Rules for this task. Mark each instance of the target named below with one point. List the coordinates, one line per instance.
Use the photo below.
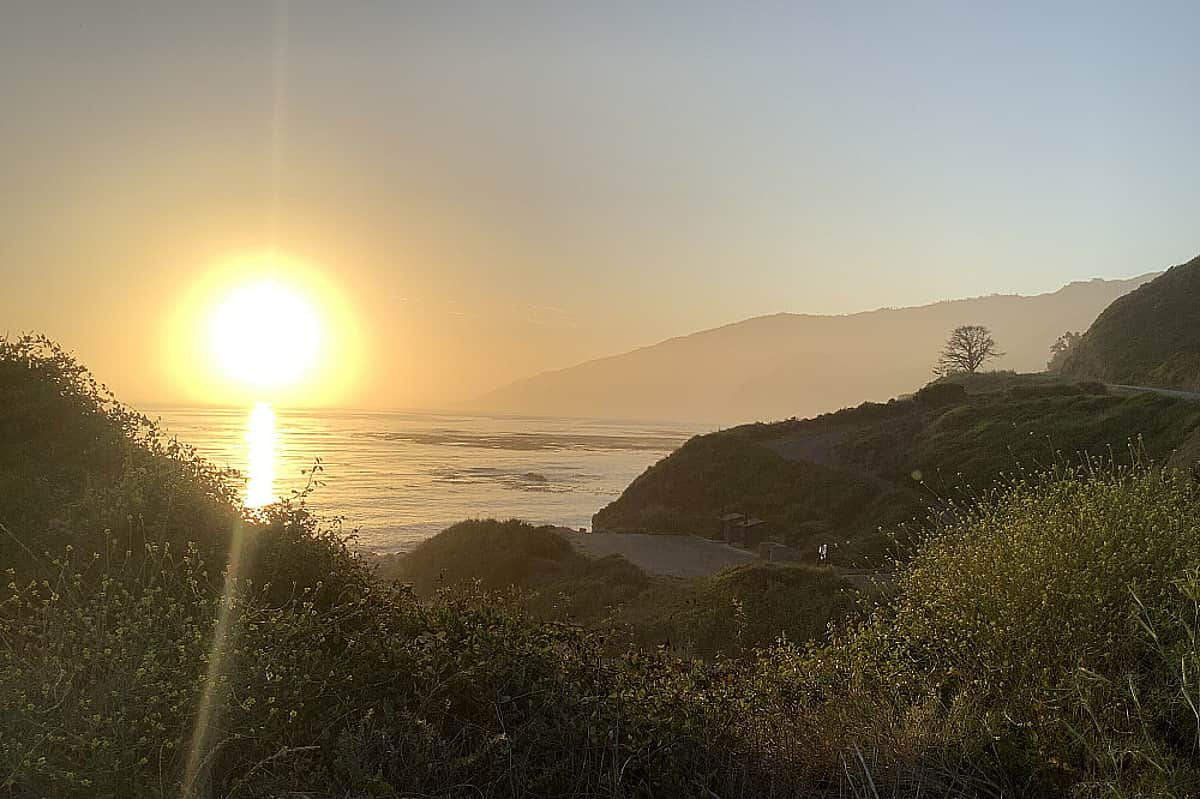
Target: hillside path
(671, 555)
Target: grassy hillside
(1149, 337)
(842, 476)
(729, 613)
(1040, 643)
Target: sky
(489, 190)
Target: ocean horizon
(399, 477)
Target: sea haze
(399, 478)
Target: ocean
(399, 478)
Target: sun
(265, 335)
(266, 327)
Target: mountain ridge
(787, 364)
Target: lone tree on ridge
(967, 349)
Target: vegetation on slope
(494, 554)
(727, 614)
(260, 657)
(1149, 337)
(843, 477)
(737, 610)
(1045, 644)
(75, 464)
(1041, 642)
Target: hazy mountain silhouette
(1149, 337)
(773, 367)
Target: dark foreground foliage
(1042, 644)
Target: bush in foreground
(157, 641)
(123, 676)
(1048, 636)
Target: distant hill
(1149, 337)
(774, 367)
(841, 477)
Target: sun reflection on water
(261, 438)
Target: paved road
(673, 555)
(1191, 396)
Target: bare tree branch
(967, 349)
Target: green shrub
(100, 661)
(123, 675)
(1033, 621)
(938, 394)
(77, 467)
(739, 610)
(496, 554)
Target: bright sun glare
(265, 335)
(261, 440)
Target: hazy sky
(501, 188)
